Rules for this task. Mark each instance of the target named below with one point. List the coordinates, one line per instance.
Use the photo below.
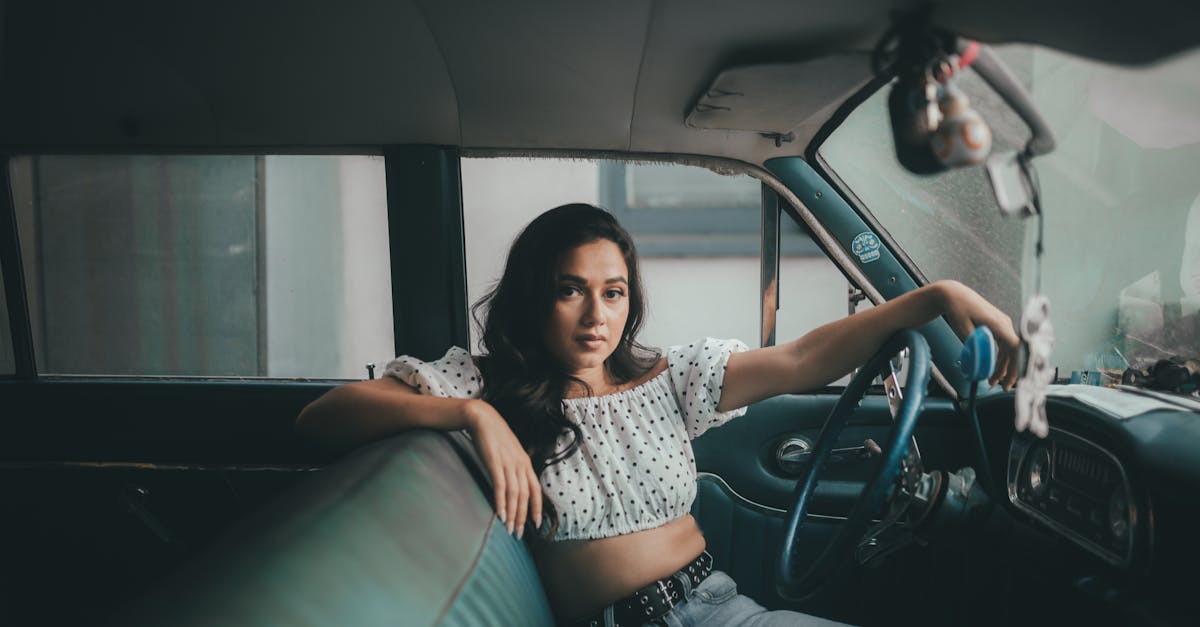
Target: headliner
(614, 76)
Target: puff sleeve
(452, 376)
(697, 374)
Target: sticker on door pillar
(866, 247)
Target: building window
(682, 211)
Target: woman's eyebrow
(571, 278)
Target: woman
(567, 410)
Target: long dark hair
(522, 379)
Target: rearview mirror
(1010, 178)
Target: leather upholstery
(502, 589)
(397, 533)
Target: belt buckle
(666, 594)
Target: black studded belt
(651, 602)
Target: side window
(8, 364)
(697, 233)
(812, 292)
(208, 265)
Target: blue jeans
(716, 602)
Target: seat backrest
(396, 533)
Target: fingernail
(500, 515)
(537, 522)
(510, 527)
(520, 532)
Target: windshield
(1120, 196)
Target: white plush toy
(1038, 334)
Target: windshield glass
(1120, 196)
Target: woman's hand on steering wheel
(518, 492)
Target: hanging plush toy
(1038, 334)
(962, 138)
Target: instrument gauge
(1039, 470)
(1118, 512)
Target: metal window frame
(427, 248)
(25, 364)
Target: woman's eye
(567, 290)
(614, 294)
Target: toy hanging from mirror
(935, 129)
(934, 126)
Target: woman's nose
(593, 311)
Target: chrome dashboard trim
(1018, 452)
(758, 507)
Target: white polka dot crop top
(634, 469)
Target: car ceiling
(619, 75)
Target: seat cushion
(396, 533)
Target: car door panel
(743, 495)
(130, 479)
(743, 451)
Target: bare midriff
(583, 576)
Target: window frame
(19, 328)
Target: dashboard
(1117, 480)
(1078, 489)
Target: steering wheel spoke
(899, 474)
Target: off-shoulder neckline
(663, 369)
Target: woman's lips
(591, 342)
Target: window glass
(948, 224)
(650, 186)
(699, 257)
(1120, 199)
(812, 291)
(213, 265)
(8, 364)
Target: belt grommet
(649, 611)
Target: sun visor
(779, 97)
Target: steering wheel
(793, 580)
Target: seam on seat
(467, 576)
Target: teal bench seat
(397, 533)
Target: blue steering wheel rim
(798, 583)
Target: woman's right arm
(356, 413)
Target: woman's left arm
(829, 352)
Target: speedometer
(1039, 470)
(1118, 512)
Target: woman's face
(591, 306)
